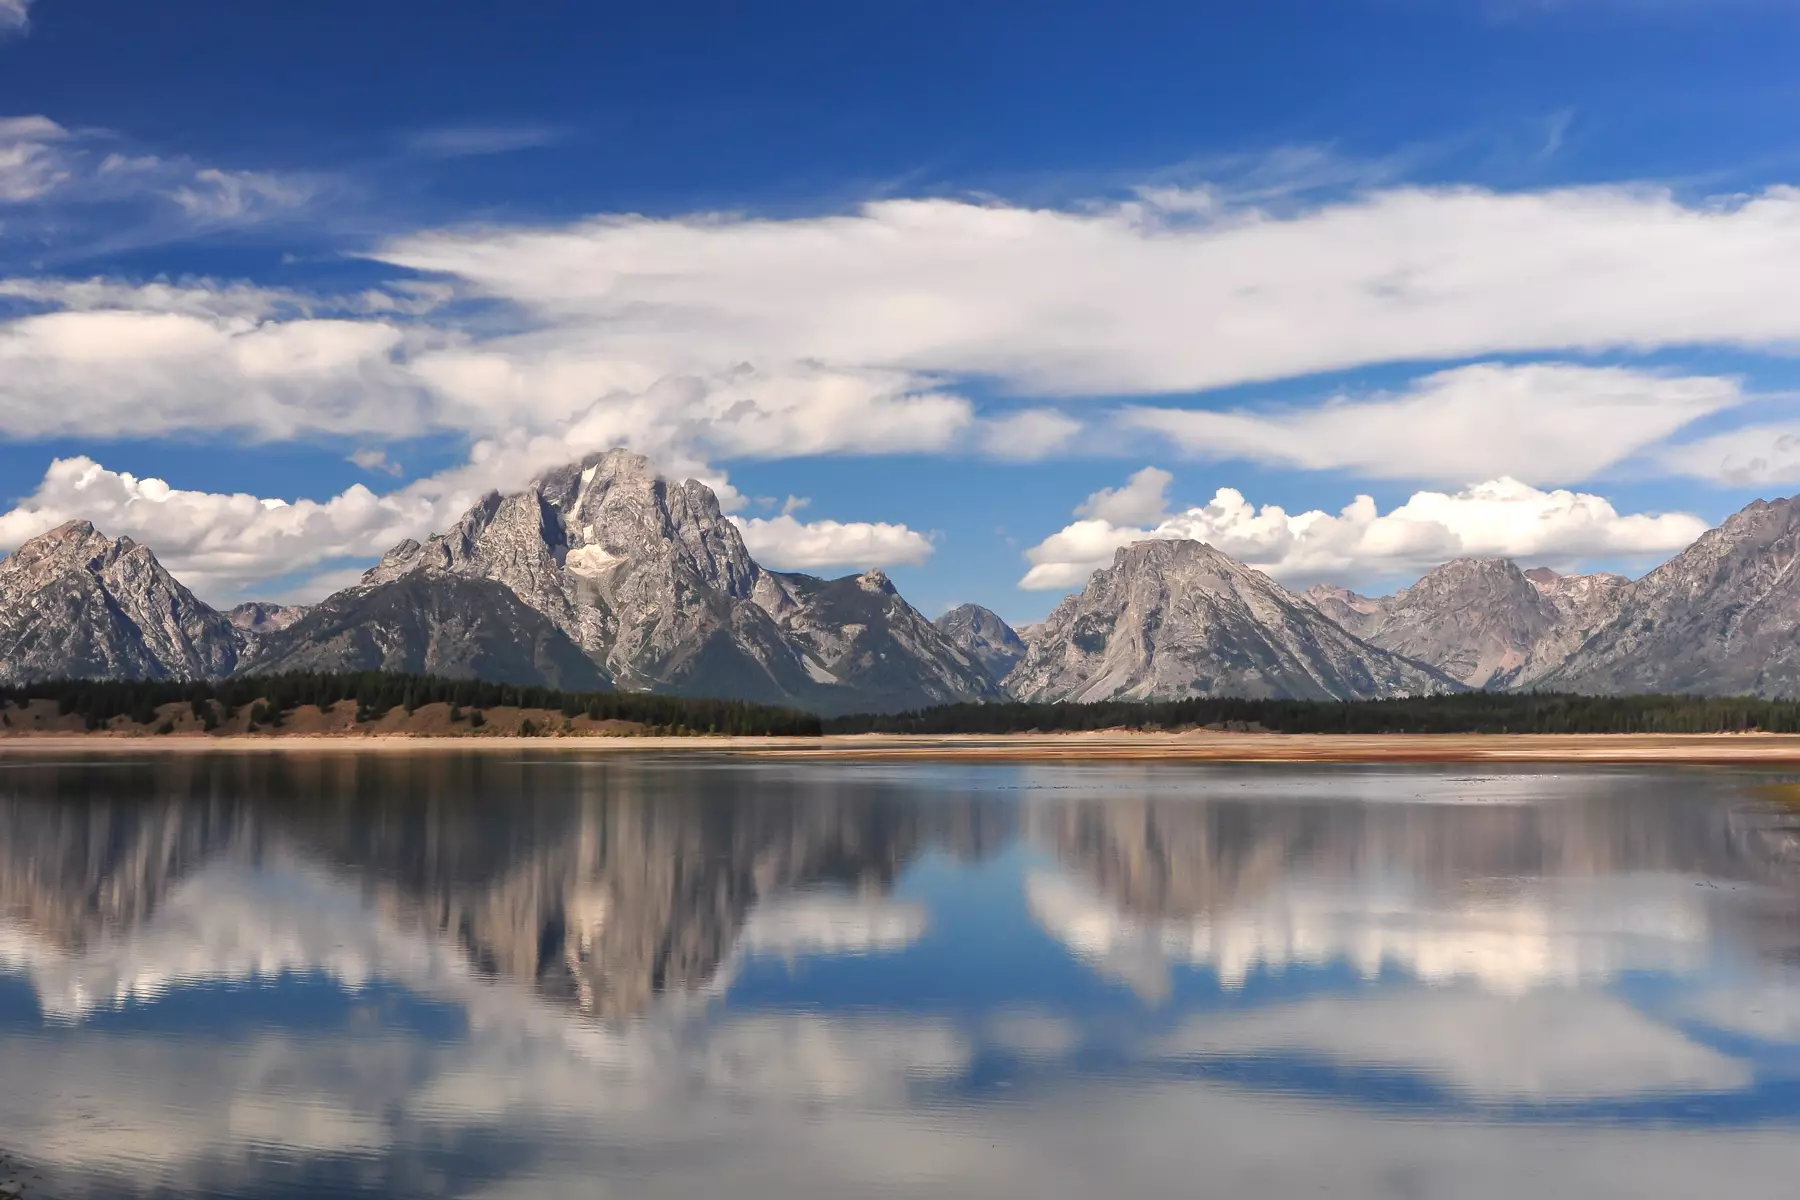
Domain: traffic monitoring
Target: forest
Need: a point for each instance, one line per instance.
(377, 693)
(1468, 712)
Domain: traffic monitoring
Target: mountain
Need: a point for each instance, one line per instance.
(1484, 622)
(1722, 617)
(74, 603)
(651, 581)
(872, 641)
(1478, 620)
(260, 616)
(1177, 618)
(427, 623)
(984, 637)
(1358, 614)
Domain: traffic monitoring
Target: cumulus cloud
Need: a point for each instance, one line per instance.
(218, 542)
(1143, 500)
(1542, 422)
(1501, 518)
(1171, 291)
(789, 544)
(372, 459)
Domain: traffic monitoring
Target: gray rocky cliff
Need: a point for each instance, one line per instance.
(77, 604)
(1172, 619)
(984, 637)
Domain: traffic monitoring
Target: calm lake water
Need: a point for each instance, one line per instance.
(540, 977)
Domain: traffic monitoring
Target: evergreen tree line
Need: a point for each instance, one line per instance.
(377, 693)
(1471, 712)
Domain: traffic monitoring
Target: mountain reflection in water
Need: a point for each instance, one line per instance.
(267, 975)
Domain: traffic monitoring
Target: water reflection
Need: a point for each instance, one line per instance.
(331, 975)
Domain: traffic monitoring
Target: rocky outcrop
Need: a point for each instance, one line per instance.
(77, 604)
(984, 637)
(1171, 619)
(427, 623)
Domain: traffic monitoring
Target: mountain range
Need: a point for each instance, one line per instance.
(602, 574)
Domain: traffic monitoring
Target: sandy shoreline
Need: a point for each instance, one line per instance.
(1722, 749)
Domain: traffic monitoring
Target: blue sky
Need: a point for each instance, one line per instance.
(1524, 273)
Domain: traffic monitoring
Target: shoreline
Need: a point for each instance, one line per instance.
(1207, 747)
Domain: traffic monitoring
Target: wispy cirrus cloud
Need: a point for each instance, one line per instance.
(15, 16)
(85, 190)
(470, 141)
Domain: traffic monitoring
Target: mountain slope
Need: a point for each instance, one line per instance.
(1356, 613)
(76, 604)
(984, 637)
(1722, 617)
(1175, 618)
(427, 623)
(877, 645)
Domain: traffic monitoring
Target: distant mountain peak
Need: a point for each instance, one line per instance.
(983, 636)
(1181, 618)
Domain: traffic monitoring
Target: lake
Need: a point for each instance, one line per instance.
(264, 975)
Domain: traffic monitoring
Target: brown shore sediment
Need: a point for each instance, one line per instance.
(1194, 747)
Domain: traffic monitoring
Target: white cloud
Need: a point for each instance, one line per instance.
(14, 15)
(788, 544)
(1033, 433)
(1752, 456)
(374, 459)
(218, 542)
(1143, 500)
(1503, 518)
(218, 196)
(1168, 292)
(1541, 422)
(224, 544)
(78, 189)
(160, 367)
(31, 162)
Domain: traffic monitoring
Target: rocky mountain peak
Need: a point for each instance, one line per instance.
(652, 582)
(983, 636)
(77, 604)
(876, 580)
(1180, 618)
(1476, 619)
(1355, 612)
